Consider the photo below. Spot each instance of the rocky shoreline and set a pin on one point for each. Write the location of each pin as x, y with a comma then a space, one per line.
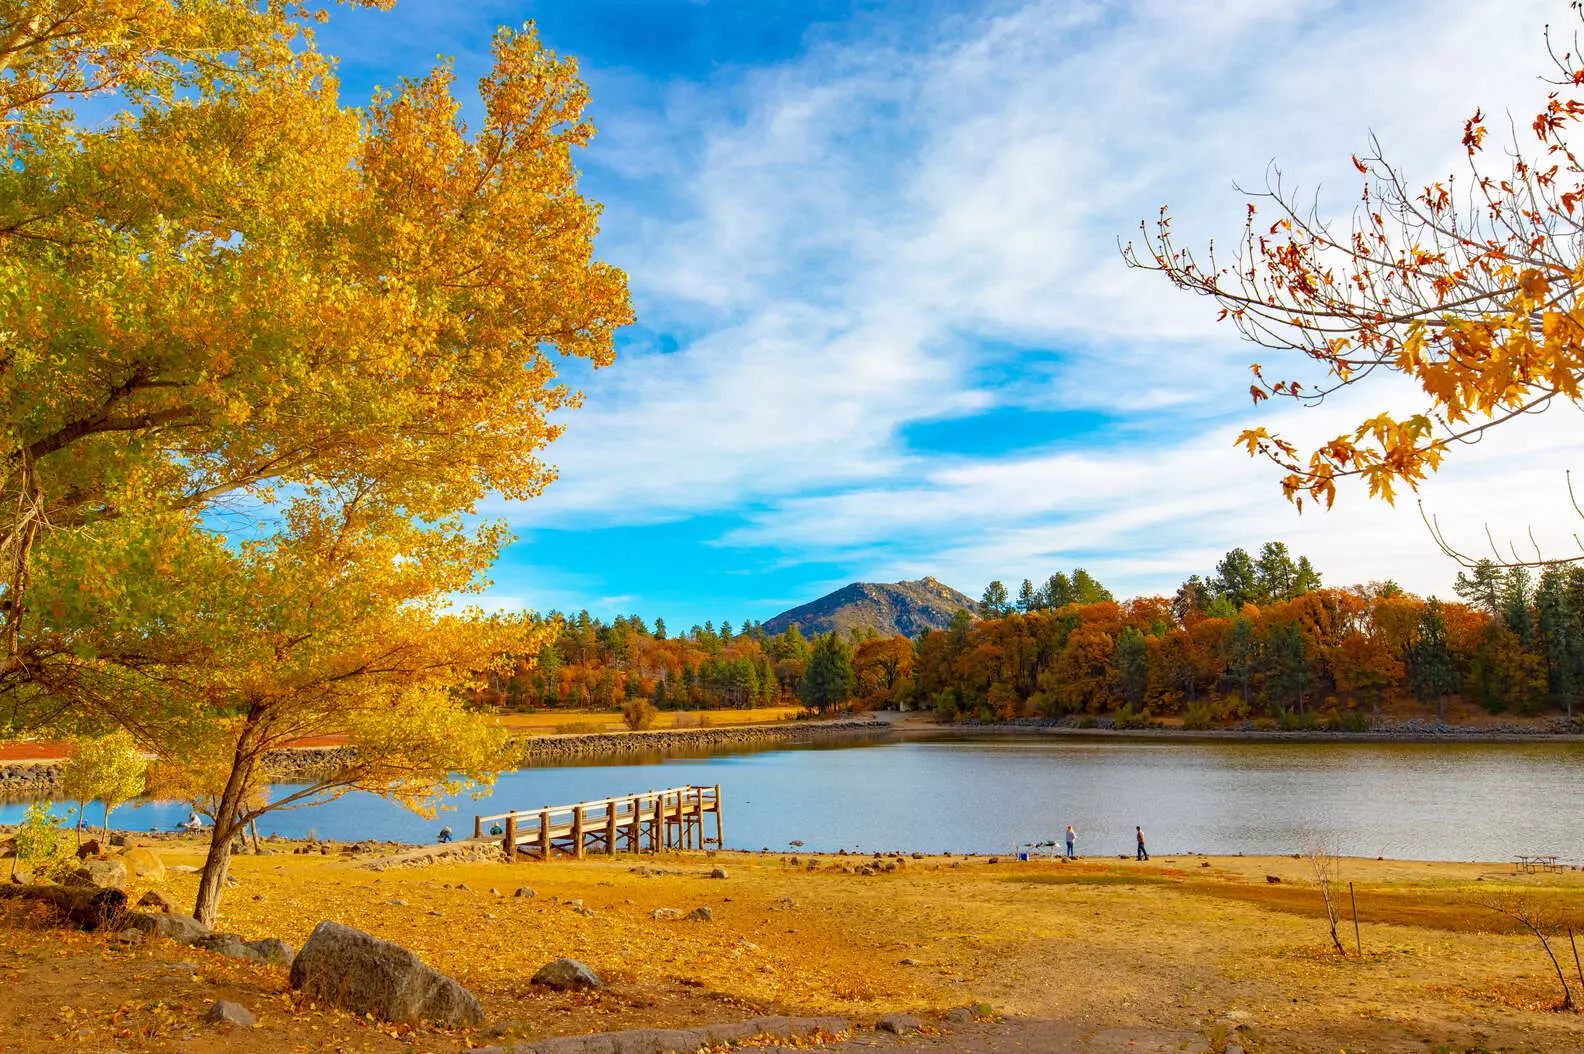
41, 779
1415, 729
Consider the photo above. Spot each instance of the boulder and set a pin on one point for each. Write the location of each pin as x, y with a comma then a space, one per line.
120, 841
99, 874
225, 1012
664, 914
157, 901
524, 891
273, 950
719, 872
183, 929
565, 974
899, 1024
268, 950
89, 848
361, 973
145, 864
701, 915
960, 1015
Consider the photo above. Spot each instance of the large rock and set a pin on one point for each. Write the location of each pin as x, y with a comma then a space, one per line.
157, 901
565, 974
183, 929
225, 1012
361, 973
100, 874
145, 864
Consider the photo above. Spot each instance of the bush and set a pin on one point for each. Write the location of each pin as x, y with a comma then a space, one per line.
946, 706
1198, 718
1288, 721
1126, 718
579, 728
639, 714
41, 844
1264, 724
1350, 721
1087, 721
684, 719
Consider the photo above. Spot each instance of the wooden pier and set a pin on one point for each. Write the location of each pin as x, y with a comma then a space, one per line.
648, 822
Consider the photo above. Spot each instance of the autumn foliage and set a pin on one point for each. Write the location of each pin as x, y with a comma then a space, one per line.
1468, 287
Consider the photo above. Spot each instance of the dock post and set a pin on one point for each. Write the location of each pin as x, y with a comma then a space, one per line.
577, 831
544, 836
634, 826
720, 830
658, 825
511, 839
478, 827
610, 827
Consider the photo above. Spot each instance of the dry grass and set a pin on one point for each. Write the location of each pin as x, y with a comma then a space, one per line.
1168, 944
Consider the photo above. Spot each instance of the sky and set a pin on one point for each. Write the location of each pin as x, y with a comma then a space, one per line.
885, 330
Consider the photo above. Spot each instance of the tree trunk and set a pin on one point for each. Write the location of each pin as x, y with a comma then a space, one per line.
228, 821
106, 838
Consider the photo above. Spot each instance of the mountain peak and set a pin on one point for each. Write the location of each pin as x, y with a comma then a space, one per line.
908, 608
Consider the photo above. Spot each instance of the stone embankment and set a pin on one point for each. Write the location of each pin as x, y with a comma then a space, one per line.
39, 779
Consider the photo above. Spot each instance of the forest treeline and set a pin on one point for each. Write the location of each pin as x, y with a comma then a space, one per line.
1261, 637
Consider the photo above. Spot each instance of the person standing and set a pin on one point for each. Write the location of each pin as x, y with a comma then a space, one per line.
1143, 854
1071, 855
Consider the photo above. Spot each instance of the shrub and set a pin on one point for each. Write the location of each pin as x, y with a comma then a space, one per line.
579, 728
1198, 718
1349, 721
1288, 721
41, 845
946, 706
1264, 724
1126, 718
638, 714
684, 719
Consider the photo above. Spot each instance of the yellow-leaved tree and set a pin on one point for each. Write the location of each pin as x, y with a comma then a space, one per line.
336, 625
237, 285
1469, 288
108, 769
261, 356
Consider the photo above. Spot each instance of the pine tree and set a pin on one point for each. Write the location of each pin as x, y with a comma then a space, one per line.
1027, 597
995, 602
1428, 659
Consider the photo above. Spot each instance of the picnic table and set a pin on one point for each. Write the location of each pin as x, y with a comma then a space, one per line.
1530, 863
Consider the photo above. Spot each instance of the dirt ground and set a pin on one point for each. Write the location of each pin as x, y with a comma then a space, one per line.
1100, 955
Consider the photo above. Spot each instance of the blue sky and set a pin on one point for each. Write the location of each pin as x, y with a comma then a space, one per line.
884, 328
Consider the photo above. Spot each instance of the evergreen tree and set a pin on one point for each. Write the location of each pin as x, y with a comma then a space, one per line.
660, 630
1482, 587
1237, 580
995, 602
1275, 573
1086, 590
829, 680
1240, 650
1027, 597
1059, 591
1131, 665
1428, 660
1287, 664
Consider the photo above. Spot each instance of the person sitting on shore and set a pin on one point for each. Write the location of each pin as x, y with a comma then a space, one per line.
445, 834
194, 822
495, 829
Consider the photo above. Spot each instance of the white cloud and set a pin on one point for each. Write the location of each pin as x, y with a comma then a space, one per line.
844, 232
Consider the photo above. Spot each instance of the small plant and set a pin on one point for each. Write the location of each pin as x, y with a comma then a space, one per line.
684, 719
639, 714
1326, 869
1531, 917
1126, 718
41, 844
578, 728
1087, 721
1351, 721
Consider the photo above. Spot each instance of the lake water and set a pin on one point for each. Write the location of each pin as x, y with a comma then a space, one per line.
1429, 801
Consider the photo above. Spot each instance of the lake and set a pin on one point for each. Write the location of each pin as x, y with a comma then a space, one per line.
1429, 801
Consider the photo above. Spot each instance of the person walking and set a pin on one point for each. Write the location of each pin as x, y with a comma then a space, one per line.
1143, 854
445, 834
1071, 855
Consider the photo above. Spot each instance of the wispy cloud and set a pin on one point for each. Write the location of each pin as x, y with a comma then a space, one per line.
839, 245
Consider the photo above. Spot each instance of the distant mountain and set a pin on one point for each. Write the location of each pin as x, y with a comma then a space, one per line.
908, 608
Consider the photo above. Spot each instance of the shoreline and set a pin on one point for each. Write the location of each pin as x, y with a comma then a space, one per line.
1445, 734
32, 779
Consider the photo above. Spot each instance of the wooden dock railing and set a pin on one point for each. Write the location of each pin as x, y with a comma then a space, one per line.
652, 821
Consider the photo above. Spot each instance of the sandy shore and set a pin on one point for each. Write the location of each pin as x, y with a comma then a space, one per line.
1178, 946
